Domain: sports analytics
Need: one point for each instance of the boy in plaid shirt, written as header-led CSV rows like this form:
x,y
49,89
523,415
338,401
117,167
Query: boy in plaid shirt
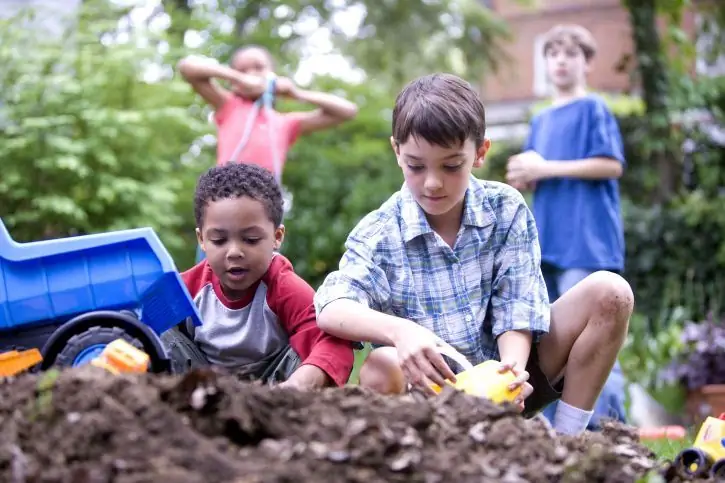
x,y
451,259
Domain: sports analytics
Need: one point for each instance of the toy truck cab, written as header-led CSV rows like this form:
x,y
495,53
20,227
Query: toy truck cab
x,y
71,297
706,457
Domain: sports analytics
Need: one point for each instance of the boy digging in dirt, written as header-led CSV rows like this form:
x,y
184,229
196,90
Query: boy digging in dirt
x,y
257,314
574,156
450,257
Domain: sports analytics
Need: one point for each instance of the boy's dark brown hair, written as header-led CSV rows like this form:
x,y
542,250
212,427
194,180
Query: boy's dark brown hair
x,y
571,33
443,109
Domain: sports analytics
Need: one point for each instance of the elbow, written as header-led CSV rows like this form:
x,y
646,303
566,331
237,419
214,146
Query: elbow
x,y
325,319
184,67
618,171
351,112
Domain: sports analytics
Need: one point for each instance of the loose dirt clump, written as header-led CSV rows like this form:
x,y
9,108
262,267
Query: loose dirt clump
x,y
86,426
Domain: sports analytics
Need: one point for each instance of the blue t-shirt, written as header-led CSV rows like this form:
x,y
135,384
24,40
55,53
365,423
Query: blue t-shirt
x,y
579,221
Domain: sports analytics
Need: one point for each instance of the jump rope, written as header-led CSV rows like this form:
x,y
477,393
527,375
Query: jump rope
x,y
265,103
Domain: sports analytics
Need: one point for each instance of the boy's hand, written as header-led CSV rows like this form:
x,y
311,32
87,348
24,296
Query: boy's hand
x,y
250,87
286,87
420,359
522,378
525,168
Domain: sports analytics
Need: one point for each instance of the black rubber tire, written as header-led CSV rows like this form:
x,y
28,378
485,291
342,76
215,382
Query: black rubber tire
x,y
691,456
89,337
718,470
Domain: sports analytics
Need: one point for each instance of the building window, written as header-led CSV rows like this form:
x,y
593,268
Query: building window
x,y
708,34
540,82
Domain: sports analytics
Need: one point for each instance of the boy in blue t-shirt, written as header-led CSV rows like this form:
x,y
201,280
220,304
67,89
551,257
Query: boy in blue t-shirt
x,y
572,160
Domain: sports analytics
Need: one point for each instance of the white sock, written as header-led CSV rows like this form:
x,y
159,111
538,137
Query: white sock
x,y
571,420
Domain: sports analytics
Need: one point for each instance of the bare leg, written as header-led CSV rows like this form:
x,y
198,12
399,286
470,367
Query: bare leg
x,y
381,372
589,324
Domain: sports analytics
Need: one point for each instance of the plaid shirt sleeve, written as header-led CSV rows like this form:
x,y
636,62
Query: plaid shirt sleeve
x,y
519,300
359,277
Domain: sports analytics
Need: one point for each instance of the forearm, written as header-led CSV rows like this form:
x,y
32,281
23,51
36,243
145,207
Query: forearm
x,y
590,168
350,320
330,104
515,346
200,69
308,376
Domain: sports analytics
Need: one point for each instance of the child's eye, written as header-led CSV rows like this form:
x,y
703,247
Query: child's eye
x,y
218,242
415,168
453,168
252,241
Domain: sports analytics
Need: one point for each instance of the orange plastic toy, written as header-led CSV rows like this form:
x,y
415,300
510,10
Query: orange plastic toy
x,y
14,362
120,356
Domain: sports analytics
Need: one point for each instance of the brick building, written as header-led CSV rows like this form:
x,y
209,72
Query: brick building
x,y
522,80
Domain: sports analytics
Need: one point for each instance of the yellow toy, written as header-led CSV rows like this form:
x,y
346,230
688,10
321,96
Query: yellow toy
x,y
485,380
120,356
707,455
14,362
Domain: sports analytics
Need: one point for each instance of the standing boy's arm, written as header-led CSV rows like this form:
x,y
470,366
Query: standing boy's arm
x,y
604,158
201,72
519,301
332,109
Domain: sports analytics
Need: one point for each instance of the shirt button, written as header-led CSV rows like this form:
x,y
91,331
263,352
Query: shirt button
x,y
469,318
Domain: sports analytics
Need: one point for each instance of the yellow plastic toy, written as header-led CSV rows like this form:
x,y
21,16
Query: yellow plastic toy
x,y
120,356
707,454
485,380
14,362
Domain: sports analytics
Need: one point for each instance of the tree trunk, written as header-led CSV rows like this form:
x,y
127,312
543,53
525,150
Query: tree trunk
x,y
653,72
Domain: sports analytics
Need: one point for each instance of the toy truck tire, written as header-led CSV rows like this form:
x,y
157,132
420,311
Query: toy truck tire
x,y
79,340
693,456
718,470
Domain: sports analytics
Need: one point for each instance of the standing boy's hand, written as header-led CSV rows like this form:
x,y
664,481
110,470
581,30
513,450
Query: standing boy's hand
x,y
286,87
525,168
521,381
420,359
248,86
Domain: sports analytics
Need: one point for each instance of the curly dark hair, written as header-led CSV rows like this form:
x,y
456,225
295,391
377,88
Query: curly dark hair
x,y
234,180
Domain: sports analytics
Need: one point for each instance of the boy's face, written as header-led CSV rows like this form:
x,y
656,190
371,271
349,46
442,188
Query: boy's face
x,y
566,65
438,176
239,240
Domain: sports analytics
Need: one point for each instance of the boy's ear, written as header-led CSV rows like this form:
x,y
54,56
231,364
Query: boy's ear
x,y
481,153
278,237
396,149
200,239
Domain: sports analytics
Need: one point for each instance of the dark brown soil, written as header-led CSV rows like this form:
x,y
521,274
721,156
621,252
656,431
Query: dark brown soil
x,y
85,426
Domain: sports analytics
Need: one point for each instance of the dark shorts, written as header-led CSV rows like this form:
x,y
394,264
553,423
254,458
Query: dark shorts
x,y
186,355
544,392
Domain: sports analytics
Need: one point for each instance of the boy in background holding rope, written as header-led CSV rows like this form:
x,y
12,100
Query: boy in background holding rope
x,y
249,129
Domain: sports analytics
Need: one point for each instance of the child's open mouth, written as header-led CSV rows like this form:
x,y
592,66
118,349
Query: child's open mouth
x,y
237,274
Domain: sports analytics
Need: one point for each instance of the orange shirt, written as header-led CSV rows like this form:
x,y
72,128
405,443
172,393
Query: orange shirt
x,y
231,120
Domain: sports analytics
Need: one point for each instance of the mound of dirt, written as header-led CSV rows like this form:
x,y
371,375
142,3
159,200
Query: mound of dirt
x,y
85,426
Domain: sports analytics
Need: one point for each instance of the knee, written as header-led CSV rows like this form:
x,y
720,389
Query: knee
x,y
381,372
613,298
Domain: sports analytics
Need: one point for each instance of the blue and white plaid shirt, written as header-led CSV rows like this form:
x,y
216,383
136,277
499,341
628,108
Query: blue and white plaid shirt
x,y
489,283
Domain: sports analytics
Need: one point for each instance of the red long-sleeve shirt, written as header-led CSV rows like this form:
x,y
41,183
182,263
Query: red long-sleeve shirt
x,y
278,310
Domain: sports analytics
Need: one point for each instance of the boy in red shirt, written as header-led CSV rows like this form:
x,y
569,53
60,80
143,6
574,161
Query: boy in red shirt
x,y
247,75
257,314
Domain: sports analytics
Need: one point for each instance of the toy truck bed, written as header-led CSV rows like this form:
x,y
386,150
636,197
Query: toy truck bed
x,y
47,283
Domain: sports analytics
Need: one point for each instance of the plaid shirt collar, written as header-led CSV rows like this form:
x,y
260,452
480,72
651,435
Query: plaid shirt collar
x,y
477,211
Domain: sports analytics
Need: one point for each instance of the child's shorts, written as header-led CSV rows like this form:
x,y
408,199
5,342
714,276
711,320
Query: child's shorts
x,y
544,392
186,355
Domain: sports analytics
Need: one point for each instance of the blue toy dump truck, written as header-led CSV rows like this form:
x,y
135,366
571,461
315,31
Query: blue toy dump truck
x,y
70,297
